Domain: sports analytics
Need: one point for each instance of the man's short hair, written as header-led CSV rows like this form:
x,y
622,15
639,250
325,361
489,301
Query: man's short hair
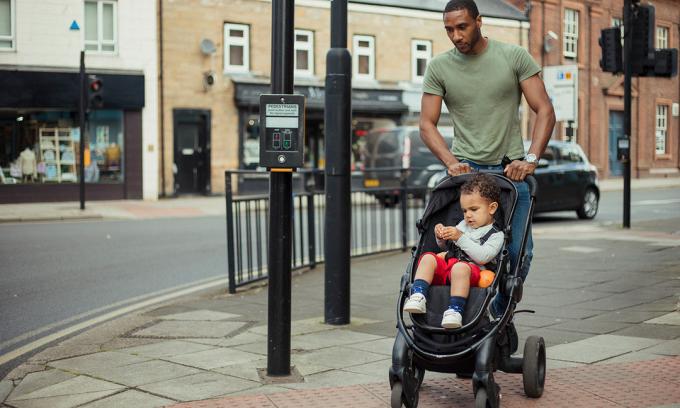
x,y
468,5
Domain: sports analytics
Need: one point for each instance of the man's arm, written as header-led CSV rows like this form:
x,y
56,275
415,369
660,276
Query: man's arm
x,y
430,109
535,94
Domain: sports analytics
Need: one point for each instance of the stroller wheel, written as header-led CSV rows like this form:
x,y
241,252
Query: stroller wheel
x,y
482,399
533,366
397,391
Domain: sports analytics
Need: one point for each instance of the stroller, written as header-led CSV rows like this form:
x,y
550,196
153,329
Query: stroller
x,y
483,344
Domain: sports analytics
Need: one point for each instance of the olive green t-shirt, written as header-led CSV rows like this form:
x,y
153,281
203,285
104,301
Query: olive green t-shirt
x,y
482,94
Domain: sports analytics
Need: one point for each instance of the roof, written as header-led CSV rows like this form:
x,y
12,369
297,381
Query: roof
x,y
487,8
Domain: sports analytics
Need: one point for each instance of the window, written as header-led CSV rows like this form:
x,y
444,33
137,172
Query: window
x,y
661,128
570,154
100,26
661,37
304,52
236,48
41,147
570,34
364,57
6,25
421,54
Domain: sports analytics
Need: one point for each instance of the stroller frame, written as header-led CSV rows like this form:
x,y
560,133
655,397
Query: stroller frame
x,y
481,346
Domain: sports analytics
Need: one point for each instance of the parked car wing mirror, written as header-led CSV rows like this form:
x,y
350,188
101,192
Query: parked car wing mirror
x,y
542,163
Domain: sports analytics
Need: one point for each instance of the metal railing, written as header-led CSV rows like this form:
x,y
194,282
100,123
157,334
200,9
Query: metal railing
x,y
383,219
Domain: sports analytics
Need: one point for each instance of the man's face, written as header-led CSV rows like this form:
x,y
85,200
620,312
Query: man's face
x,y
463,30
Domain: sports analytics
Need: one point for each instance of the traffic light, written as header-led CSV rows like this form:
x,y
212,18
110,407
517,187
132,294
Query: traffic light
x,y
643,38
95,92
612,52
663,64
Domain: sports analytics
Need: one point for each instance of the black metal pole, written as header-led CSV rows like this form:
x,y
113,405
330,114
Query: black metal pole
x,y
627,127
280,203
81,119
229,211
338,117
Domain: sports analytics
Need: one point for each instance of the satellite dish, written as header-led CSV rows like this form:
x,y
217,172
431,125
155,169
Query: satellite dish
x,y
207,47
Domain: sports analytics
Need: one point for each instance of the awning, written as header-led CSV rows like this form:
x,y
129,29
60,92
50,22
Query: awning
x,y
247,94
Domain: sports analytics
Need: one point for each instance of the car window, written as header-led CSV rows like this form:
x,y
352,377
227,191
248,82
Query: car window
x,y
550,155
570,154
388,143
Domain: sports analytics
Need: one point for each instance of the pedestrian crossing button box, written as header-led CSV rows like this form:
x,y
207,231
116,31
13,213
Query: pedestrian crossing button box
x,y
282,136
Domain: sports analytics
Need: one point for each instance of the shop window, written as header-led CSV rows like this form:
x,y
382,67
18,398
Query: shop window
x,y
7,24
44,147
661,128
661,37
106,142
570,34
251,143
236,48
421,54
100,26
364,57
304,53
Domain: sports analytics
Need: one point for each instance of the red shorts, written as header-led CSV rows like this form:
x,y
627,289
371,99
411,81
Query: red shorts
x,y
442,274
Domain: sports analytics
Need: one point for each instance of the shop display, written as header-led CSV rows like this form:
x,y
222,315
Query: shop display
x,y
57,153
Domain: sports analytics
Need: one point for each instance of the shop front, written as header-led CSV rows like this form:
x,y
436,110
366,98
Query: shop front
x,y
40,138
371,108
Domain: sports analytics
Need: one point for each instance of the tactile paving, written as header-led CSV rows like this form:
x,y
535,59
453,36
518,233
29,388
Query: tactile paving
x,y
648,383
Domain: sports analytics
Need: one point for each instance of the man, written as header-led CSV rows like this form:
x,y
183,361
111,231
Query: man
x,y
482,82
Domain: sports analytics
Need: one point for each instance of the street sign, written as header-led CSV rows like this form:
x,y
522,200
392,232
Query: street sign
x,y
561,83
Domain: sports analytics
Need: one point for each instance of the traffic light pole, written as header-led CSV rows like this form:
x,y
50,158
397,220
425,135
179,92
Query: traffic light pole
x,y
81,119
280,204
338,117
627,85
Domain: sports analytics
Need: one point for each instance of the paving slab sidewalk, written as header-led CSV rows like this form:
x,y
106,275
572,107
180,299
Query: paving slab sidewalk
x,y
210,349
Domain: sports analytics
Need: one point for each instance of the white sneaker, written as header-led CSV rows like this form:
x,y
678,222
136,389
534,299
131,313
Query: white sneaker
x,y
416,304
452,319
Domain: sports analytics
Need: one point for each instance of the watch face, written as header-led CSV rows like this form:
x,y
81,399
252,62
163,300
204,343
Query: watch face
x,y
531,158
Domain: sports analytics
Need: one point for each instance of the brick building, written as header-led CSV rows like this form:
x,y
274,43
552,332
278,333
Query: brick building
x,y
567,32
215,58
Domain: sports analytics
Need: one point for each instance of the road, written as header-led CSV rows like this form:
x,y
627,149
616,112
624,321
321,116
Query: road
x,y
53,272
54,275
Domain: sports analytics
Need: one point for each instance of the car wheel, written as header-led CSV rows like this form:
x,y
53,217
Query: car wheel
x,y
589,205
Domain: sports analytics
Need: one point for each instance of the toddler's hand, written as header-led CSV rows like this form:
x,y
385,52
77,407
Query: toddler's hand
x,y
438,230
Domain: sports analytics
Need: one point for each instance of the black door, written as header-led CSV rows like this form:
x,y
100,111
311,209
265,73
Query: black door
x,y
192,151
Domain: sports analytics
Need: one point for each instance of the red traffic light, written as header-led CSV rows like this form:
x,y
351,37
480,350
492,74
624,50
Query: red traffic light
x,y
96,85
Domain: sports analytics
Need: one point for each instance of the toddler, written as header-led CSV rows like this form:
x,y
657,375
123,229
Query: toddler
x,y
474,242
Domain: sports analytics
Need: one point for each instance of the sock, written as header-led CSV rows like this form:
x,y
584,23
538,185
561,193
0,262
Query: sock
x,y
420,286
457,303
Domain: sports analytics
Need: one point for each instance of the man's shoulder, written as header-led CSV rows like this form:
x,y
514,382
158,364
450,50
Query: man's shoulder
x,y
442,58
507,48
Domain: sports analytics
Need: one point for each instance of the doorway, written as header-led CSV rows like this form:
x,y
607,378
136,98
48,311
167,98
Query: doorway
x,y
192,151
615,132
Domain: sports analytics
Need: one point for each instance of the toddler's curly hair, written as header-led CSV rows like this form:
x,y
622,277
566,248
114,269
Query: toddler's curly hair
x,y
485,185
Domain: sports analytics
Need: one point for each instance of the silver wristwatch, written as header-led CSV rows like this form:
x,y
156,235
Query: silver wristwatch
x,y
531,159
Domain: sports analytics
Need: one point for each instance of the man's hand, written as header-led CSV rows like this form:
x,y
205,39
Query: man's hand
x,y
517,170
458,168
